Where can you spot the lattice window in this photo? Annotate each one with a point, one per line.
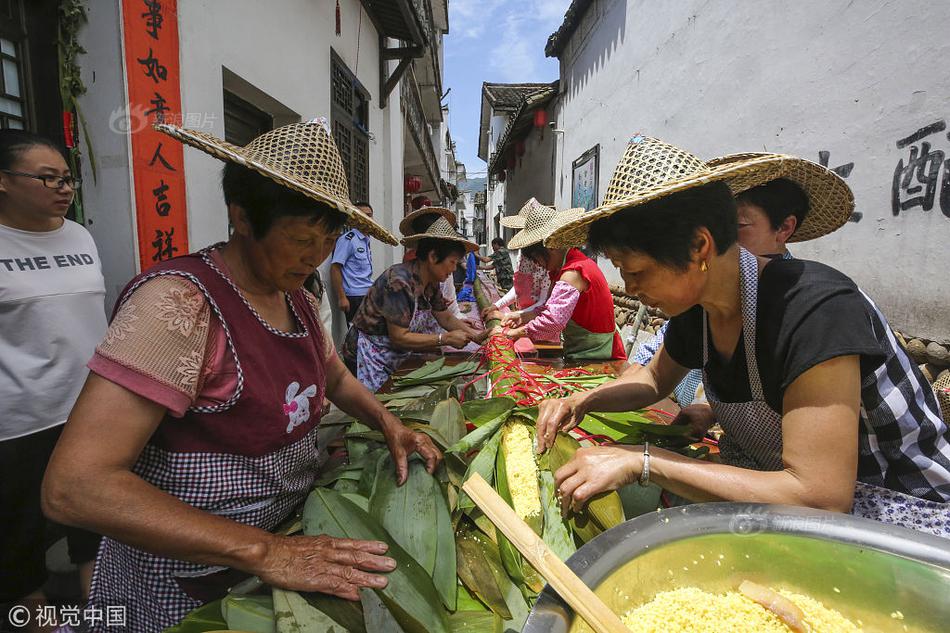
(13, 95)
(350, 116)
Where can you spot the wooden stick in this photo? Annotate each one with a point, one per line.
(578, 595)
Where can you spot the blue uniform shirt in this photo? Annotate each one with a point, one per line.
(353, 253)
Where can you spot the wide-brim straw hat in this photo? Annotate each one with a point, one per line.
(441, 229)
(651, 169)
(540, 223)
(300, 156)
(405, 226)
(830, 201)
(518, 221)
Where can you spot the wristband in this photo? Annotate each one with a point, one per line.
(645, 473)
(440, 339)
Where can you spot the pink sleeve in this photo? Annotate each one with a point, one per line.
(555, 314)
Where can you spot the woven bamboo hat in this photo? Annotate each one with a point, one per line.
(830, 201)
(441, 229)
(651, 169)
(300, 156)
(405, 226)
(518, 221)
(540, 222)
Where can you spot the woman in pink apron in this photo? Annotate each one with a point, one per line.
(196, 433)
(396, 316)
(820, 405)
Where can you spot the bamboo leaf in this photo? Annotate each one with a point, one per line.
(253, 614)
(444, 571)
(399, 394)
(410, 594)
(449, 421)
(346, 613)
(557, 533)
(203, 619)
(478, 412)
(472, 622)
(429, 368)
(374, 463)
(406, 512)
(484, 465)
(476, 557)
(294, 614)
(476, 438)
(375, 614)
(510, 556)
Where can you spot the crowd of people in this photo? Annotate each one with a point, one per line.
(192, 414)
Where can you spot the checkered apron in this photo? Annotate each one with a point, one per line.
(251, 459)
(753, 430)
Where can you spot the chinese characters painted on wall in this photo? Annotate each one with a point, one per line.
(153, 74)
(922, 177)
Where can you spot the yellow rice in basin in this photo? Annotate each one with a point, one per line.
(692, 610)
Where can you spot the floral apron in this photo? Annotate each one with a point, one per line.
(377, 359)
(753, 430)
(252, 459)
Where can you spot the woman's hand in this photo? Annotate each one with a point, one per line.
(456, 338)
(491, 312)
(334, 566)
(514, 334)
(554, 415)
(698, 417)
(512, 319)
(595, 470)
(403, 442)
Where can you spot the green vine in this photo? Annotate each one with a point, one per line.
(72, 17)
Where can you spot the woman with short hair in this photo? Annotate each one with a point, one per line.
(395, 317)
(820, 405)
(195, 435)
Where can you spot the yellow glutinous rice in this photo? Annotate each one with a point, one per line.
(692, 610)
(522, 470)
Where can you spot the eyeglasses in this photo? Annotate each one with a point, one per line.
(51, 182)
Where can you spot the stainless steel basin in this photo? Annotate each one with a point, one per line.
(887, 577)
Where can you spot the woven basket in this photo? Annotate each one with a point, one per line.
(942, 389)
(441, 229)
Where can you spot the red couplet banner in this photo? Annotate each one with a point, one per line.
(152, 69)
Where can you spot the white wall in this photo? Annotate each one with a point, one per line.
(849, 78)
(533, 176)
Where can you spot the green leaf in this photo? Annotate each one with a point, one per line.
(346, 613)
(478, 412)
(557, 533)
(373, 464)
(484, 465)
(399, 394)
(252, 614)
(468, 602)
(427, 369)
(407, 512)
(375, 614)
(410, 594)
(476, 438)
(205, 618)
(448, 420)
(295, 615)
(444, 571)
(472, 622)
(510, 556)
(359, 500)
(476, 559)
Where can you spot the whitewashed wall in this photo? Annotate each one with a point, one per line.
(845, 82)
(533, 176)
(285, 54)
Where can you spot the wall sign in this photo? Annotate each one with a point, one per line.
(584, 176)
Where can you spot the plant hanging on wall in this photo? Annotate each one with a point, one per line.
(72, 16)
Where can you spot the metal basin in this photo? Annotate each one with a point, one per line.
(887, 577)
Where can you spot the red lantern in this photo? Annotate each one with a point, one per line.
(420, 201)
(501, 176)
(413, 184)
(540, 118)
(519, 148)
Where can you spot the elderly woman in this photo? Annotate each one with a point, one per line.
(196, 432)
(580, 308)
(395, 318)
(820, 405)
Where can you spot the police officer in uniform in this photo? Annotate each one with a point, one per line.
(351, 269)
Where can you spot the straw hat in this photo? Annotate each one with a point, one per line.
(830, 201)
(441, 229)
(518, 221)
(300, 156)
(651, 169)
(540, 222)
(405, 226)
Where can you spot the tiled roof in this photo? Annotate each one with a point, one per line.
(509, 96)
(522, 120)
(572, 17)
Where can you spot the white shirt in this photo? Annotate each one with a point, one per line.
(51, 319)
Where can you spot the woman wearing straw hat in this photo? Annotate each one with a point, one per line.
(196, 432)
(580, 307)
(531, 283)
(820, 405)
(393, 319)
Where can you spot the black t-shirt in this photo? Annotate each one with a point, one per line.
(807, 313)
